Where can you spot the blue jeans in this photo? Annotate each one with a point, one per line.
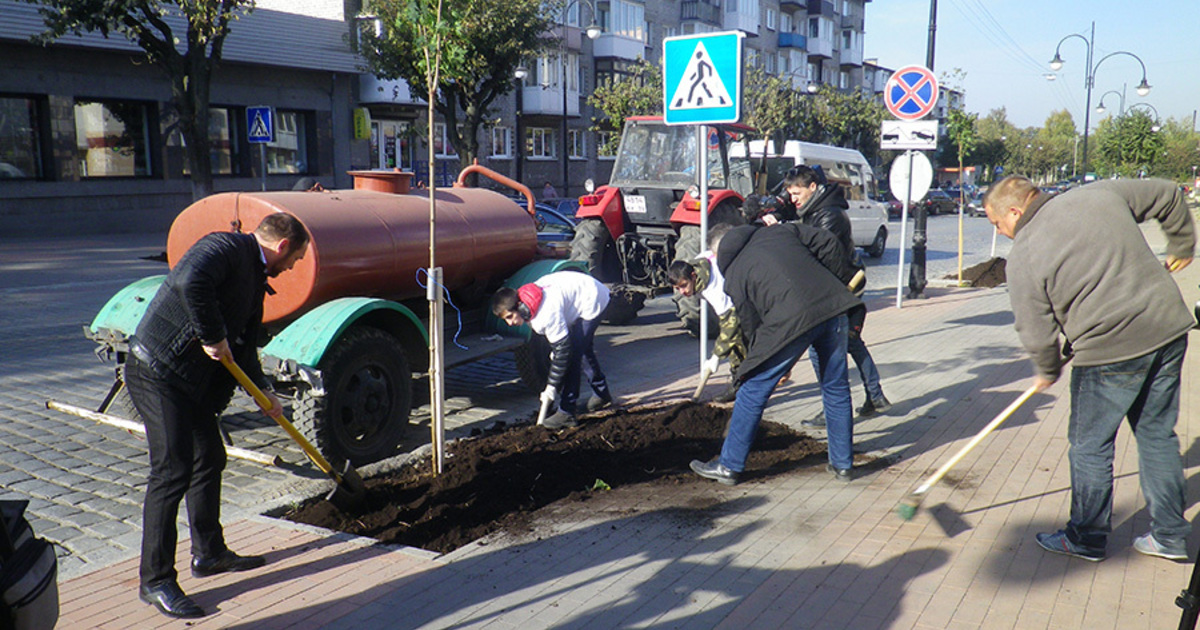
(1146, 391)
(828, 341)
(582, 334)
(862, 359)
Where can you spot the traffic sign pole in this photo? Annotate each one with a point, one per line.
(262, 154)
(903, 225)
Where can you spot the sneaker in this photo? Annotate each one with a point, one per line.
(1058, 542)
(841, 474)
(1150, 546)
(596, 403)
(560, 420)
(815, 422)
(715, 471)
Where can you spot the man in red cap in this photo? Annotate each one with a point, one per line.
(564, 307)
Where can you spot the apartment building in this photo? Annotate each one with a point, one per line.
(88, 143)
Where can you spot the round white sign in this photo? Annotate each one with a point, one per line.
(914, 166)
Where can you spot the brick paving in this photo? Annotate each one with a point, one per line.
(797, 550)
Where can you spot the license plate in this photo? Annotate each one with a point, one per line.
(635, 203)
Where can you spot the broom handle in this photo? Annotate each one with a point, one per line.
(991, 426)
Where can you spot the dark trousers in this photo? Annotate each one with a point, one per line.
(186, 459)
(582, 333)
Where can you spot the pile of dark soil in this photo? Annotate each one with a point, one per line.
(987, 274)
(496, 481)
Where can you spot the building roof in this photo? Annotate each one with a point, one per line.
(263, 37)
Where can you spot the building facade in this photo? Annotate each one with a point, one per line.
(88, 141)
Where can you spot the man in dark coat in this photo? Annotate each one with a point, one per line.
(823, 205)
(788, 284)
(209, 307)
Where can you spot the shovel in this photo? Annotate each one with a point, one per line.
(349, 495)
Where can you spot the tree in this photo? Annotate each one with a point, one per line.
(640, 93)
(768, 105)
(992, 150)
(1128, 144)
(960, 127)
(485, 43)
(842, 119)
(149, 25)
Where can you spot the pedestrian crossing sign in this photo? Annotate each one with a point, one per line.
(260, 126)
(702, 78)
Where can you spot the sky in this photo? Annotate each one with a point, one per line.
(1004, 48)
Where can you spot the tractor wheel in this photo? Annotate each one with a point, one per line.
(533, 362)
(593, 244)
(879, 244)
(368, 395)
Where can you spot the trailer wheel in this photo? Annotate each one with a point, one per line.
(368, 394)
(121, 404)
(687, 309)
(593, 244)
(533, 362)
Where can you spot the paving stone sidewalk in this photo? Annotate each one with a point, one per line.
(798, 550)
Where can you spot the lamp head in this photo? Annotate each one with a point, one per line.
(1143, 88)
(593, 31)
(1050, 76)
(1100, 109)
(520, 73)
(1056, 63)
(813, 88)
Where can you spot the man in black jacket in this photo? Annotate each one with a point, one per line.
(788, 284)
(823, 205)
(210, 307)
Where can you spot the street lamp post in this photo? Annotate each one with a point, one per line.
(519, 74)
(1100, 109)
(593, 31)
(1056, 64)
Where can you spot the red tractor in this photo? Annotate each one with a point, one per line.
(648, 216)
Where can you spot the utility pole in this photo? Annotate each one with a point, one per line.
(916, 269)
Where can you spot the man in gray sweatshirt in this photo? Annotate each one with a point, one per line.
(1080, 268)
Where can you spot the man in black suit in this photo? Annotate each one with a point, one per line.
(209, 307)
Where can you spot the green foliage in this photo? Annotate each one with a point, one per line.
(638, 94)
(190, 71)
(960, 127)
(1128, 146)
(480, 44)
(841, 119)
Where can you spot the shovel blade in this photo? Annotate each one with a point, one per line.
(350, 493)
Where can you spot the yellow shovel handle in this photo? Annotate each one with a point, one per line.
(265, 404)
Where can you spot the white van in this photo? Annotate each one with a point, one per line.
(845, 167)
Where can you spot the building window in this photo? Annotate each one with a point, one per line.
(541, 142)
(612, 70)
(844, 80)
(847, 40)
(606, 144)
(785, 23)
(623, 18)
(501, 142)
(223, 147)
(785, 66)
(442, 146)
(577, 141)
(391, 144)
(771, 19)
(814, 28)
(113, 138)
(20, 140)
(289, 153)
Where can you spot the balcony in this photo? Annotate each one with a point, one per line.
(619, 46)
(819, 49)
(852, 56)
(700, 11)
(791, 6)
(823, 8)
(853, 22)
(737, 21)
(792, 40)
(548, 101)
(373, 91)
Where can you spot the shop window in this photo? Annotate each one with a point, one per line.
(20, 138)
(289, 153)
(113, 138)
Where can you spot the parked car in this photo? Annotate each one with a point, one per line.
(565, 206)
(938, 202)
(975, 205)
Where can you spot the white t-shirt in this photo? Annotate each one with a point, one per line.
(714, 293)
(567, 296)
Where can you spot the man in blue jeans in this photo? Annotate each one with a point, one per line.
(1080, 268)
(788, 285)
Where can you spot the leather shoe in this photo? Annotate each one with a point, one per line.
(727, 396)
(715, 471)
(170, 600)
(224, 563)
(841, 474)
